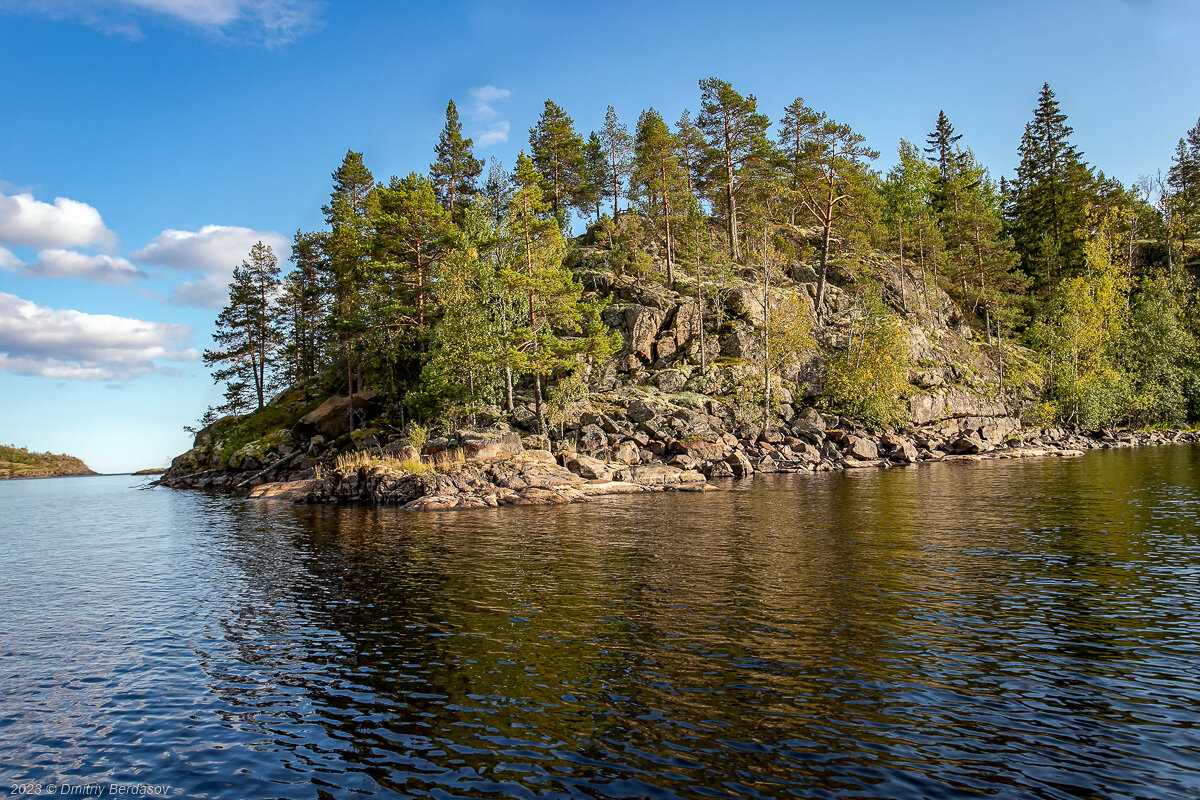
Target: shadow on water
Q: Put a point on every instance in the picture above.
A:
(1021, 629)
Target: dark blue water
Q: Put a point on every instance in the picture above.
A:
(999, 629)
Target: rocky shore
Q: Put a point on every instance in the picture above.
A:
(645, 444)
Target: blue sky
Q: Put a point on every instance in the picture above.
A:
(145, 144)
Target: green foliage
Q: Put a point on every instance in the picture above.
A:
(233, 433)
(18, 462)
(736, 149)
(1050, 198)
(868, 380)
(1161, 353)
(248, 332)
(1078, 338)
(562, 398)
(456, 169)
(558, 155)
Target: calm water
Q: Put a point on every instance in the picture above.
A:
(1009, 629)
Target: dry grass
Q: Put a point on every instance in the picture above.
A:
(363, 459)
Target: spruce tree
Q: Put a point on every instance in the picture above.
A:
(593, 185)
(301, 307)
(941, 147)
(908, 213)
(1183, 182)
(558, 156)
(456, 169)
(1049, 200)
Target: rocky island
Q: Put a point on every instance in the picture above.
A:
(664, 309)
(18, 462)
(659, 420)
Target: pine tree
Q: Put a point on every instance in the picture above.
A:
(828, 175)
(660, 181)
(464, 369)
(593, 184)
(301, 306)
(558, 155)
(1048, 214)
(456, 169)
(736, 144)
(690, 141)
(618, 151)
(559, 328)
(908, 212)
(247, 334)
(347, 252)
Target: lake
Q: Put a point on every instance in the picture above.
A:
(1000, 629)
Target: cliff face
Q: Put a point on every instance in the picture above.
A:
(17, 462)
(954, 374)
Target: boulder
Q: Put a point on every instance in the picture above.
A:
(741, 343)
(291, 491)
(488, 447)
(740, 465)
(655, 475)
(592, 439)
(331, 419)
(639, 410)
(719, 469)
(702, 448)
(746, 303)
(641, 329)
(670, 380)
(589, 468)
(970, 444)
(627, 452)
(860, 448)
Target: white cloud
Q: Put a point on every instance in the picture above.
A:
(268, 22)
(207, 291)
(213, 248)
(27, 222)
(488, 130)
(73, 345)
(8, 260)
(70, 264)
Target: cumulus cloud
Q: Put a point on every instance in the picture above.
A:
(70, 264)
(487, 129)
(213, 248)
(269, 22)
(28, 222)
(207, 291)
(8, 260)
(73, 345)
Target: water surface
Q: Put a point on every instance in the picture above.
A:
(997, 629)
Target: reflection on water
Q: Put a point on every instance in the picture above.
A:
(1017, 629)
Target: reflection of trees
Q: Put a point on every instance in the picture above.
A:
(821, 631)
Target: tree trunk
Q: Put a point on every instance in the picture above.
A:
(823, 269)
(349, 387)
(539, 404)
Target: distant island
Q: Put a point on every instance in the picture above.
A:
(18, 462)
